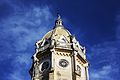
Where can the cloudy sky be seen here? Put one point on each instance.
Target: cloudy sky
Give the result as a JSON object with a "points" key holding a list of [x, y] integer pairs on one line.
{"points": [[95, 23]]}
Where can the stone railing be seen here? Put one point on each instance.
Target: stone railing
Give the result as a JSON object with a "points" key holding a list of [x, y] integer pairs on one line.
{"points": [[63, 45]]}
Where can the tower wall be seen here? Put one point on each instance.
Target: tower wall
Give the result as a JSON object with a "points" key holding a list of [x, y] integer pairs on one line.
{"points": [[59, 56], [60, 72]]}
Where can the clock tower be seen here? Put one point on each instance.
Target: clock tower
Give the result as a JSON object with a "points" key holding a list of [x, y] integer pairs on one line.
{"points": [[59, 56]]}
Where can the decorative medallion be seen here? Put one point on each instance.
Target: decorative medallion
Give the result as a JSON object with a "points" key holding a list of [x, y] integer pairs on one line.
{"points": [[63, 63]]}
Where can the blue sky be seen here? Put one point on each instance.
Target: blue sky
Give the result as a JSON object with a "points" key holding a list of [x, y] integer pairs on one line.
{"points": [[95, 23]]}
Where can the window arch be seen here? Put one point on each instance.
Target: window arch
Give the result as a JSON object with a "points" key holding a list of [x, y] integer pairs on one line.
{"points": [[79, 70]]}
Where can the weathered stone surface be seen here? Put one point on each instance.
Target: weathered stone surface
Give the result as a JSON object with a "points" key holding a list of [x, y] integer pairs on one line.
{"points": [[59, 56]]}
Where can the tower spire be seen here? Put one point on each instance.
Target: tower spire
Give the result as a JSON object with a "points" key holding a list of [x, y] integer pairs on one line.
{"points": [[59, 17], [58, 22]]}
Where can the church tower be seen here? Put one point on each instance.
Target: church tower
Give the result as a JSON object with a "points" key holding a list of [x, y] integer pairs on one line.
{"points": [[59, 56]]}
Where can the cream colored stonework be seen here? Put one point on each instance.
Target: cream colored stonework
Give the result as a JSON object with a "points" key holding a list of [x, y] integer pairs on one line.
{"points": [[59, 56]]}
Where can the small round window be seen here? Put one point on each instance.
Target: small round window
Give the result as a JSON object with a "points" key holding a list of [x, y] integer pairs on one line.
{"points": [[45, 65], [63, 63]]}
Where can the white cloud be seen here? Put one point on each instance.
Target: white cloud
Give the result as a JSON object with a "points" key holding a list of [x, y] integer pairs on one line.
{"points": [[23, 59], [102, 74], [104, 59], [21, 65], [15, 76], [24, 29], [28, 27]]}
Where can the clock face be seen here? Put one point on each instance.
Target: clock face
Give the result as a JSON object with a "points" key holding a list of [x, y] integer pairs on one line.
{"points": [[63, 63], [44, 66]]}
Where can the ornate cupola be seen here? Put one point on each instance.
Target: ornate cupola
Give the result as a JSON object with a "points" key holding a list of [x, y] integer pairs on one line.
{"points": [[59, 56]]}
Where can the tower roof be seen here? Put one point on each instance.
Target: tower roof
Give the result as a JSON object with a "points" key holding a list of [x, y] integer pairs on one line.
{"points": [[57, 30]]}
